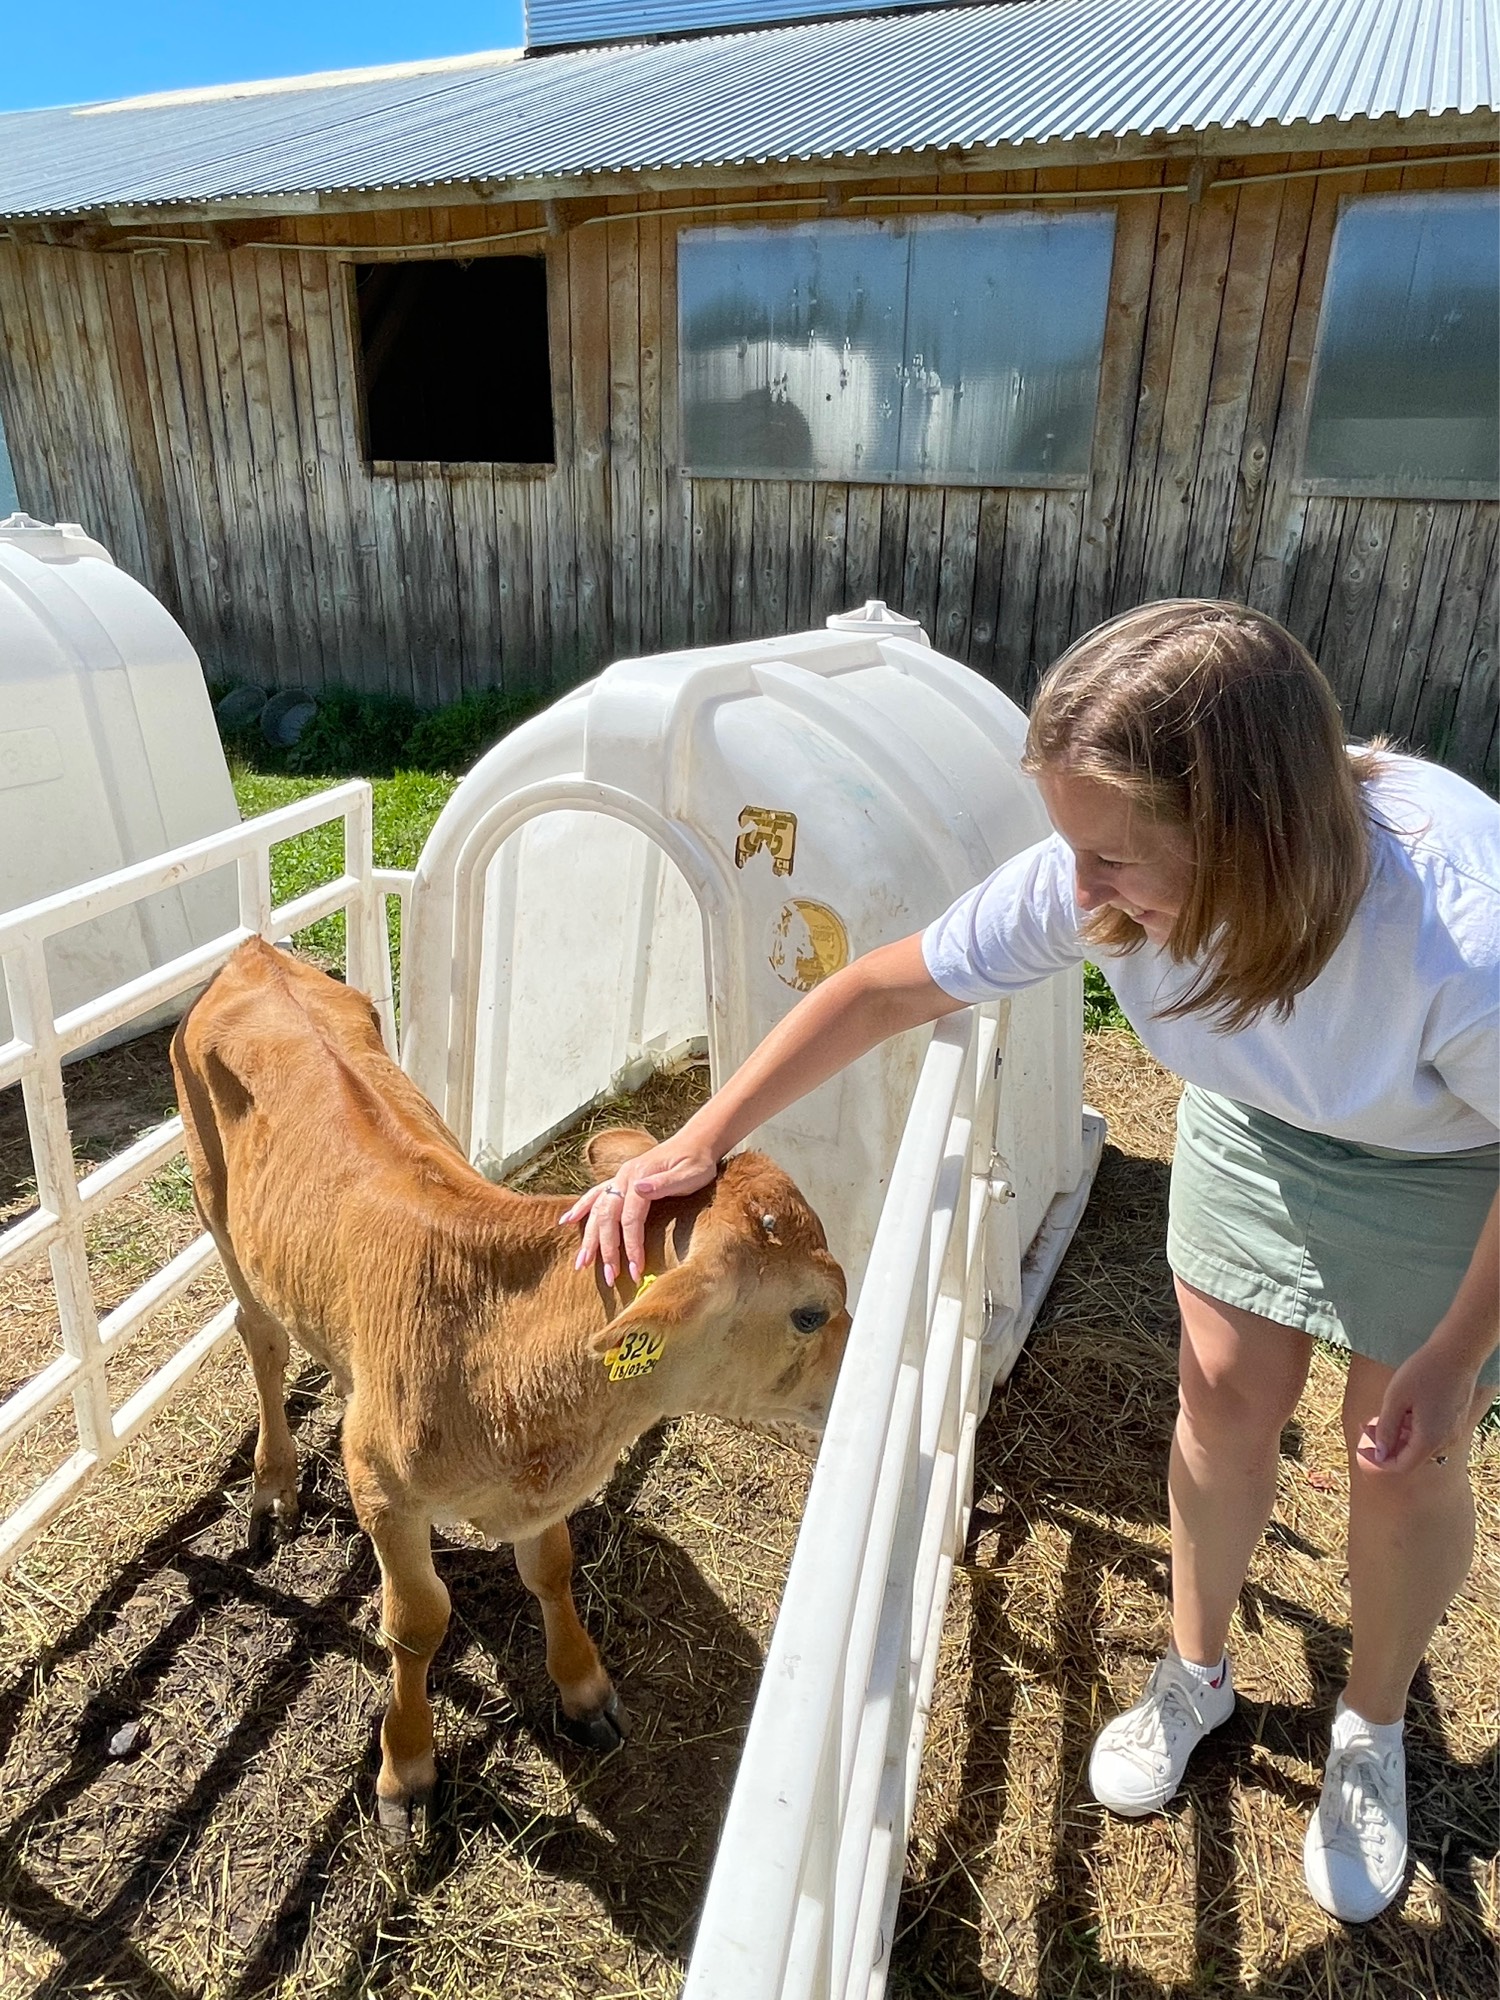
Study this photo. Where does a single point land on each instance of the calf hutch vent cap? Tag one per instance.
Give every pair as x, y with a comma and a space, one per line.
659, 864
875, 615
60, 541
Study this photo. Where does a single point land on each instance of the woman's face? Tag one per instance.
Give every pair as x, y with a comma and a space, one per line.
1122, 859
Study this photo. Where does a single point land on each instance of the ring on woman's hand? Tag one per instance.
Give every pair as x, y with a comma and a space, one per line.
612, 1189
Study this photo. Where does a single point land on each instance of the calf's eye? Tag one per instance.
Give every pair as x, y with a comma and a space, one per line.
807, 1319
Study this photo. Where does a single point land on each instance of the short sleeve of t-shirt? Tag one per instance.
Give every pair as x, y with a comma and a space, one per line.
1019, 926
1469, 1064
1461, 1034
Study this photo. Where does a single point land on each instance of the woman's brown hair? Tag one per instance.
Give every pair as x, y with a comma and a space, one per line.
1212, 718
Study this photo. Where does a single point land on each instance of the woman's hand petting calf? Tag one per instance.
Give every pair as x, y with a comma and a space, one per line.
614, 1213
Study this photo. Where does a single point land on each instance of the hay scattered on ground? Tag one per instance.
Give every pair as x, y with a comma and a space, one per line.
231, 1853
668, 1101
1018, 1884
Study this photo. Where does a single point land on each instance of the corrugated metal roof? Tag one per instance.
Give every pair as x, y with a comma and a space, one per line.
1027, 72
567, 23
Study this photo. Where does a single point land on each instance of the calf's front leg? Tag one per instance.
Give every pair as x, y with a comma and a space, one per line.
414, 1617
274, 1495
591, 1710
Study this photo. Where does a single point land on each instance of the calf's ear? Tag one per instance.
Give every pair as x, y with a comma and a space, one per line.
609, 1150
675, 1304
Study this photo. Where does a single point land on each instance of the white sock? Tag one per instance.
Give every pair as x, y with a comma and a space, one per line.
1384, 1735
1214, 1676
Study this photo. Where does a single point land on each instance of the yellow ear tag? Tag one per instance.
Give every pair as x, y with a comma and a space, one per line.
637, 1354
640, 1350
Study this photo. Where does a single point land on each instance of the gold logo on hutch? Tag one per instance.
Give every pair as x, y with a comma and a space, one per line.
763, 827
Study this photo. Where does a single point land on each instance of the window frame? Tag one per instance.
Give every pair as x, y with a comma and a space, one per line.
1052, 482
519, 469
1390, 486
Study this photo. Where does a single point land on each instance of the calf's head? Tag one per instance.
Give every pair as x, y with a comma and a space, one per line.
748, 1320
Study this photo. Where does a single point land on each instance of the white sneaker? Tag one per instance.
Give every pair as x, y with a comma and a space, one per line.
1139, 1758
1354, 1856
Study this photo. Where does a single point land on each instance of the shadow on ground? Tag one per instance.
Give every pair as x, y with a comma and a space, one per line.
249, 1791
1072, 1460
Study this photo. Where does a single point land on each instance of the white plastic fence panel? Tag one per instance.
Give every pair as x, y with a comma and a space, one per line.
66, 1205
802, 1900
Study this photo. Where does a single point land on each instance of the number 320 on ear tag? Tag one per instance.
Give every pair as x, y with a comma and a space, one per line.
636, 1355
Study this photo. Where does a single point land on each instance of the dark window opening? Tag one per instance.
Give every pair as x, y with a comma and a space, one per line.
455, 360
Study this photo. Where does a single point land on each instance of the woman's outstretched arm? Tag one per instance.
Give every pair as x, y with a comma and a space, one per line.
879, 995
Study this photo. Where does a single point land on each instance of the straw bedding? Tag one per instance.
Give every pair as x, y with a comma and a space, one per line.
227, 1850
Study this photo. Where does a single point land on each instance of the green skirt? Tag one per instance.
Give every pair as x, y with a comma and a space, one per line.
1353, 1244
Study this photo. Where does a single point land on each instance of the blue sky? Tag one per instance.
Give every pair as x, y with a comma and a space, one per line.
93, 49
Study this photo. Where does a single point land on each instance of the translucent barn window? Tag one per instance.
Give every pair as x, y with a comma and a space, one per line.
454, 360
944, 350
1404, 392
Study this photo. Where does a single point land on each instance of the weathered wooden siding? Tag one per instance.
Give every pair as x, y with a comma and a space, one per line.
198, 409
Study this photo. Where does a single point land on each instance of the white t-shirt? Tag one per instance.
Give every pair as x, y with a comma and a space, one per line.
1396, 1043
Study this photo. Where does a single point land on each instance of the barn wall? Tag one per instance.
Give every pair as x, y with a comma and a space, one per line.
197, 409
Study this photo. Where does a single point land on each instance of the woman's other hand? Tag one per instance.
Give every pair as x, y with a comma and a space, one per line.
1426, 1413
1430, 1403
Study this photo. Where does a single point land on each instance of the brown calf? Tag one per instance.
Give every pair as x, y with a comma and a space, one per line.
487, 1380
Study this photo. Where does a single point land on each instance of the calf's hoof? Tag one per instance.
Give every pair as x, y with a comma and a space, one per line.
605, 1729
270, 1521
398, 1817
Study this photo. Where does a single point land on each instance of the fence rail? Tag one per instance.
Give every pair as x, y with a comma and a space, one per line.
33, 1057
802, 1899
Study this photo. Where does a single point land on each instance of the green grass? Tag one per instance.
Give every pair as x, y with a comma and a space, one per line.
172, 1188
413, 761
1100, 1007
405, 807
384, 736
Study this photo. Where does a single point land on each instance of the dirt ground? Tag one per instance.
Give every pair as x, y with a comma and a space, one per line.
229, 1852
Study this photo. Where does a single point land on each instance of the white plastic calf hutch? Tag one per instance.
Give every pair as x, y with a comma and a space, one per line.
665, 859
661, 863
108, 754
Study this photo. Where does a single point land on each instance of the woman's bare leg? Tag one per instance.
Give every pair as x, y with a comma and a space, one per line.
1411, 1540
1239, 1377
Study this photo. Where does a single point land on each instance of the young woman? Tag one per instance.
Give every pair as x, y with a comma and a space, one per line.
1310, 936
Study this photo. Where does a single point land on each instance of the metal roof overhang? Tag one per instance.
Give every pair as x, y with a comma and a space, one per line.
1474, 132
961, 89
